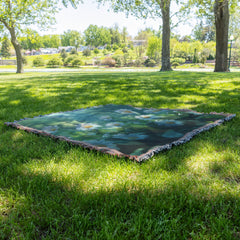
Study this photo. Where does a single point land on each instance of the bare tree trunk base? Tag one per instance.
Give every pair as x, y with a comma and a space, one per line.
221, 12
166, 69
20, 71
166, 32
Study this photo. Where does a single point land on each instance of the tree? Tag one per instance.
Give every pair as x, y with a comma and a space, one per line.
221, 10
72, 38
5, 50
165, 9
144, 9
154, 48
205, 32
50, 41
186, 38
115, 35
124, 35
63, 54
15, 15
144, 35
234, 25
31, 41
97, 36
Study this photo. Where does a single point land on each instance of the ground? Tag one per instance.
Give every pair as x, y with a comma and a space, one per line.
51, 190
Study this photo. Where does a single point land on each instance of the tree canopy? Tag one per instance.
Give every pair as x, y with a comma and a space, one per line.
97, 36
5, 49
71, 38
145, 9
17, 15
22, 13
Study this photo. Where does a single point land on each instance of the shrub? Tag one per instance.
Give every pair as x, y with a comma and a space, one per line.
38, 62
178, 60
153, 48
203, 59
105, 52
195, 56
74, 51
68, 60
86, 52
175, 64
109, 48
131, 46
130, 63
119, 60
138, 62
54, 62
115, 46
24, 60
96, 50
150, 62
125, 50
211, 57
118, 52
76, 62
236, 55
109, 61
97, 62
63, 54
180, 54
73, 61
126, 59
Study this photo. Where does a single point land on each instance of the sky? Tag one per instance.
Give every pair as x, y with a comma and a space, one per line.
88, 13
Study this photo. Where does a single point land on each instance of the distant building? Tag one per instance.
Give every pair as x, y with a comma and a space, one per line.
48, 50
102, 47
137, 43
67, 48
33, 52
82, 48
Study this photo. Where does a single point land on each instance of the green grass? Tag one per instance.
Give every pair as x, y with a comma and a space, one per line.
8, 67
51, 190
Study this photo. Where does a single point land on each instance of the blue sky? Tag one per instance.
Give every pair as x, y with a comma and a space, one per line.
89, 13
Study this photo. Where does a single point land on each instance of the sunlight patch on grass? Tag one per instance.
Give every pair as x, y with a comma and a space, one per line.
85, 178
5, 207
10, 205
52, 190
15, 102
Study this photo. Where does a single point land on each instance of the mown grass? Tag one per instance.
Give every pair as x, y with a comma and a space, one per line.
51, 190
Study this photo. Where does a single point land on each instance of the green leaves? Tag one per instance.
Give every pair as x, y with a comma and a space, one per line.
5, 49
97, 36
74, 3
21, 13
71, 38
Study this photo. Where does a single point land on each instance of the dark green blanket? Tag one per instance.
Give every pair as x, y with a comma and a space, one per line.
137, 133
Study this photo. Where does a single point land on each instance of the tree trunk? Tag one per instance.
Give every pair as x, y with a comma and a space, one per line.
165, 8
17, 48
221, 12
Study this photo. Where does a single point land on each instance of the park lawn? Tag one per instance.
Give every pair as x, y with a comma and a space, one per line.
51, 190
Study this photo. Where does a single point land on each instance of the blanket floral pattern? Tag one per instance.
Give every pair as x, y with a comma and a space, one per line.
127, 129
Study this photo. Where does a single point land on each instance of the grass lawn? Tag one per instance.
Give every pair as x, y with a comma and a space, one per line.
51, 190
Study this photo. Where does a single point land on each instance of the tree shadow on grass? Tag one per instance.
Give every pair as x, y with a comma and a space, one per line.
38, 95
66, 91
109, 198
43, 205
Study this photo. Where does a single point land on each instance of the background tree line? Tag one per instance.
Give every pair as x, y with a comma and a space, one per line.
196, 48
94, 36
17, 15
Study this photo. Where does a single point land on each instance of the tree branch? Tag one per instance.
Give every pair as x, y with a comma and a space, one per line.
5, 23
